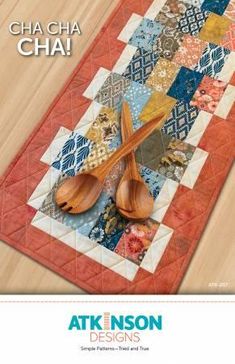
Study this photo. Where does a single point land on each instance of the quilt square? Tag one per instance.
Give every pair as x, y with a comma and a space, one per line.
150, 152
99, 153
109, 227
181, 120
166, 155
154, 180
158, 103
145, 34
212, 60
168, 42
174, 163
112, 91
208, 94
171, 12
185, 84
215, 6
192, 21
105, 126
189, 52
73, 154
141, 65
137, 96
163, 75
214, 28
136, 240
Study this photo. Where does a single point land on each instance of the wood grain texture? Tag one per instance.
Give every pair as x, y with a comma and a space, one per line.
133, 199
27, 88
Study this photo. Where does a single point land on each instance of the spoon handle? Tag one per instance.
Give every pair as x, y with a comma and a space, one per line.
131, 143
127, 131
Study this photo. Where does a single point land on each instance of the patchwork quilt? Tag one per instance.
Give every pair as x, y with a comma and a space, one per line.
177, 56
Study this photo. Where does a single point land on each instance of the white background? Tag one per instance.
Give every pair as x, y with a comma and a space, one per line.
196, 329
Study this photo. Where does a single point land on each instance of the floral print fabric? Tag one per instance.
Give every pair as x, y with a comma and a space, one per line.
189, 52
109, 227
176, 160
145, 34
136, 240
163, 75
171, 12
105, 126
208, 94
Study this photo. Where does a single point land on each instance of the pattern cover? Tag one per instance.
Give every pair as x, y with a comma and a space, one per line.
171, 56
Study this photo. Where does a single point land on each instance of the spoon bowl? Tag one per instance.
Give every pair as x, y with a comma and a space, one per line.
134, 200
79, 193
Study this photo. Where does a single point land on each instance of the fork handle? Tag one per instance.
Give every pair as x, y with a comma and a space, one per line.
131, 143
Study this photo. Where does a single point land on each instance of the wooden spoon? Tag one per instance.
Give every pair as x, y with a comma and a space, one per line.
133, 199
79, 193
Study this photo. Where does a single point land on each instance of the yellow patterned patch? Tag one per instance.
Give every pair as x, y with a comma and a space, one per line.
215, 28
163, 75
105, 126
158, 103
98, 155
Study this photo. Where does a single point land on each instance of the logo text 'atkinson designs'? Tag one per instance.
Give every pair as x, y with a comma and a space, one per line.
113, 322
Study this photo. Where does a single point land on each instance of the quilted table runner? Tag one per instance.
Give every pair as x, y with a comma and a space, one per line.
177, 56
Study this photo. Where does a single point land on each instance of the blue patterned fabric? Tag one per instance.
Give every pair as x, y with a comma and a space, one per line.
192, 21
109, 227
146, 33
137, 96
73, 154
141, 65
215, 6
212, 60
154, 180
185, 84
181, 120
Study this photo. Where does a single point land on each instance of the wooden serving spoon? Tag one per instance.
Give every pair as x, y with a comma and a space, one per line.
79, 193
133, 199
